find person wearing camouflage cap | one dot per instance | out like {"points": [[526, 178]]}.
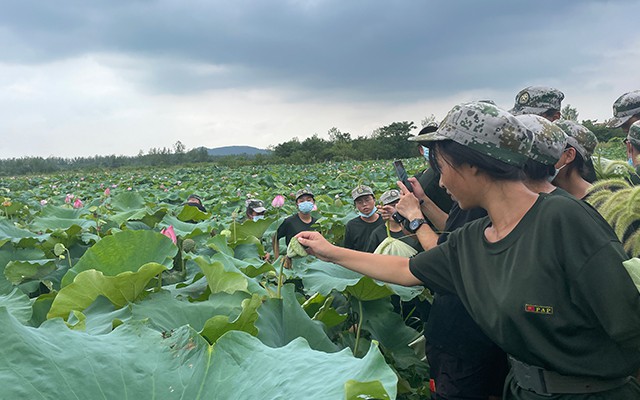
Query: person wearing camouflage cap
{"points": [[575, 167], [358, 230], [255, 209], [195, 201], [632, 142], [298, 222], [540, 100], [626, 111], [536, 263], [549, 142], [389, 199]]}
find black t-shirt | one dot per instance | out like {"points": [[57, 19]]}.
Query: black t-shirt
{"points": [[380, 233], [293, 225], [357, 233], [552, 293]]}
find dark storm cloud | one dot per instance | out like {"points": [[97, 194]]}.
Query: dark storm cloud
{"points": [[372, 48]]}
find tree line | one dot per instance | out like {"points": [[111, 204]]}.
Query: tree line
{"points": [[387, 142]]}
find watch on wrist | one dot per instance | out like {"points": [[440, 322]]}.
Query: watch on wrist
{"points": [[415, 224]]}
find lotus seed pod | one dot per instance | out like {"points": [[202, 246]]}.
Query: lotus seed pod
{"points": [[188, 245], [59, 249]]}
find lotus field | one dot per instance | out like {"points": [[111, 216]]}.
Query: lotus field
{"points": [[112, 288]]}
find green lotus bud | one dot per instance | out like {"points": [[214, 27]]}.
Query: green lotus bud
{"points": [[226, 233], [59, 249]]}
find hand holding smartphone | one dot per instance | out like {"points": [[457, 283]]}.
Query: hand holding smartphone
{"points": [[402, 174]]}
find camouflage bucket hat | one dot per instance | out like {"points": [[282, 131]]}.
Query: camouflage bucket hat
{"points": [[487, 129], [256, 205], [578, 137], [549, 140], [625, 107], [304, 191], [537, 100], [361, 190], [634, 134], [390, 196]]}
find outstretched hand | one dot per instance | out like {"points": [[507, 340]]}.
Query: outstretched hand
{"points": [[316, 245]]}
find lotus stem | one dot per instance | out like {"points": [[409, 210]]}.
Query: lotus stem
{"points": [[278, 295], [360, 319]]}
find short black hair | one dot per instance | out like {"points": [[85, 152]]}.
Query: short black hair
{"points": [[584, 167], [537, 171], [460, 154]]}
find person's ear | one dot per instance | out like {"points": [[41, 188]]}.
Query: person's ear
{"points": [[570, 154]]}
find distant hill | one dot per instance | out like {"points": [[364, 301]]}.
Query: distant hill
{"points": [[236, 150]]}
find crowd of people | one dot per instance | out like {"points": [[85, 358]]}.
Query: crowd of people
{"points": [[531, 298]]}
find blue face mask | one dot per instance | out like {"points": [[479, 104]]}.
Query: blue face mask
{"points": [[630, 161], [305, 207], [425, 153], [257, 218], [370, 214]]}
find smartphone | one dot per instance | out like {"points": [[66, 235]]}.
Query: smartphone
{"points": [[402, 174]]}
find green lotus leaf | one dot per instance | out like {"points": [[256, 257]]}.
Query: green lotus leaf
{"points": [[217, 326], [13, 234], [61, 218], [232, 264], [167, 312], [323, 277], [191, 213], [127, 201], [220, 280], [325, 313], [18, 305], [365, 390], [185, 229], [250, 228], [137, 362], [121, 289], [124, 251], [20, 271], [283, 320], [10, 253]]}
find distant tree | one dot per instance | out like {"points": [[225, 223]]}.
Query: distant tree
{"points": [[335, 135], [179, 148], [602, 132], [393, 140], [428, 120], [570, 113]]}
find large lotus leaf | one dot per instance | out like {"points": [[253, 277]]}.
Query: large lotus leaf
{"points": [[283, 320], [136, 362], [88, 285], [217, 326], [61, 218], [19, 271], [232, 264], [191, 213], [250, 228], [10, 253], [319, 308], [365, 391], [127, 201], [167, 312], [249, 247], [220, 280], [11, 233], [388, 328], [322, 277], [18, 305], [124, 251], [185, 229], [219, 244], [102, 316]]}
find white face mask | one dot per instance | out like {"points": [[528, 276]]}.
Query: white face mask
{"points": [[257, 218], [552, 177], [375, 209]]}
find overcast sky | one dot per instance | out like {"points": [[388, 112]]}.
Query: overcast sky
{"points": [[83, 78]]}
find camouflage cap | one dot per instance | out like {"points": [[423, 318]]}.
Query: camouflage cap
{"points": [[549, 140], [390, 196], [578, 137], [625, 107], [304, 191], [487, 129], [361, 190], [537, 100], [634, 134], [256, 205]]}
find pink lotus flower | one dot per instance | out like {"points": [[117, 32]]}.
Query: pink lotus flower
{"points": [[278, 201], [170, 233], [129, 188], [107, 192], [68, 199], [43, 202], [315, 207], [77, 203]]}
